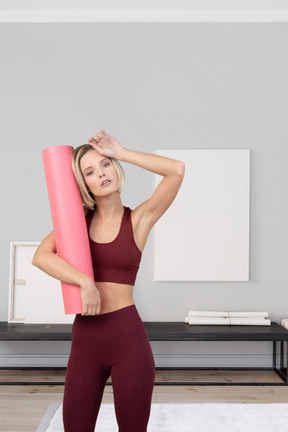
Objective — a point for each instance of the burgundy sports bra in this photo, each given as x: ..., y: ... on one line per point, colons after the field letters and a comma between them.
x: 117, y: 261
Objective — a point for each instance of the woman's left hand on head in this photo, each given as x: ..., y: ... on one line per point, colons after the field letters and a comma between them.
x: 105, y: 144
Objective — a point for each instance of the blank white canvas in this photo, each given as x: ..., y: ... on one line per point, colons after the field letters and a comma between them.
x: 44, y: 301
x: 36, y: 296
x: 21, y: 254
x: 204, y: 234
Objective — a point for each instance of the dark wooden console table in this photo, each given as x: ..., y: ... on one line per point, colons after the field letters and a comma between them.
x: 167, y: 331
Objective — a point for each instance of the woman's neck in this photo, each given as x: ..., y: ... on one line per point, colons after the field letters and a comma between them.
x: 108, y: 211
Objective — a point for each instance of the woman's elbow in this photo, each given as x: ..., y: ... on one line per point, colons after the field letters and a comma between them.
x: 181, y: 169
x: 39, y: 258
x: 36, y: 259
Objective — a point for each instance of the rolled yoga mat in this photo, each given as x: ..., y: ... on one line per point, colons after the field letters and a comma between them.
x: 70, y: 229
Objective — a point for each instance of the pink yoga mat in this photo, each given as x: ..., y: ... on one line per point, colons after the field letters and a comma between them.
x: 70, y: 230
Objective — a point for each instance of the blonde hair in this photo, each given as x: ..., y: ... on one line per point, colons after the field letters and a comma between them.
x: 87, y: 197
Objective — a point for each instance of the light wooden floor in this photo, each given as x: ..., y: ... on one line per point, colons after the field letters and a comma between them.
x: 23, y: 406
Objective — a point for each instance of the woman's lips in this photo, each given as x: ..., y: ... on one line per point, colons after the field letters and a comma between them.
x: 106, y: 184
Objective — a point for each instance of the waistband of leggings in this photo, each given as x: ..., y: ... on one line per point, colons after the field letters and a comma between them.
x: 126, y: 313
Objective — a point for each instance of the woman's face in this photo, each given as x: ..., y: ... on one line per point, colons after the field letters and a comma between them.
x: 97, y: 169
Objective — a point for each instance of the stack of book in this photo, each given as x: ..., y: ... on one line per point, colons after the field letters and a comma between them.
x: 227, y: 318
x: 284, y: 323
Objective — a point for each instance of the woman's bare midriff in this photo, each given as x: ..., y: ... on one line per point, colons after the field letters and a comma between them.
x: 114, y: 296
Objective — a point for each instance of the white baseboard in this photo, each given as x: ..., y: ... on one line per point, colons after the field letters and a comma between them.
x: 161, y: 360
x: 228, y: 360
x: 25, y: 360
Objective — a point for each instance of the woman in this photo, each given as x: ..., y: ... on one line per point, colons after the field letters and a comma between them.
x: 109, y: 337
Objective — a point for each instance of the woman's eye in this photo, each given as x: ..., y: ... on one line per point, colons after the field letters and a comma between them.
x: 90, y: 172
x: 106, y: 164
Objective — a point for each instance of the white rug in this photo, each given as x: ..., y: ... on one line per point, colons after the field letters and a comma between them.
x: 194, y: 417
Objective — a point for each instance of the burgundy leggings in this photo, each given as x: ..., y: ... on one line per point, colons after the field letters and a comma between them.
x: 116, y: 344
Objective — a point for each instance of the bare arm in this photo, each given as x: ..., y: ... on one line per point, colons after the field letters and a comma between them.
x: 45, y: 259
x: 171, y: 169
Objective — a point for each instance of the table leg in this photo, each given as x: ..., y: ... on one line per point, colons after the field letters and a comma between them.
x: 274, y: 354
x: 286, y: 362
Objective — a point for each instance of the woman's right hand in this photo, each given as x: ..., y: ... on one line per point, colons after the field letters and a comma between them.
x: 91, y: 299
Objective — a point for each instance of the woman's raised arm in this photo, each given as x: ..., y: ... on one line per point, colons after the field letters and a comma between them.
x: 173, y: 172
x: 171, y: 169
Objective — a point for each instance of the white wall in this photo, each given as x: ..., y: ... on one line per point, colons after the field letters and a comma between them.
x: 152, y: 86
